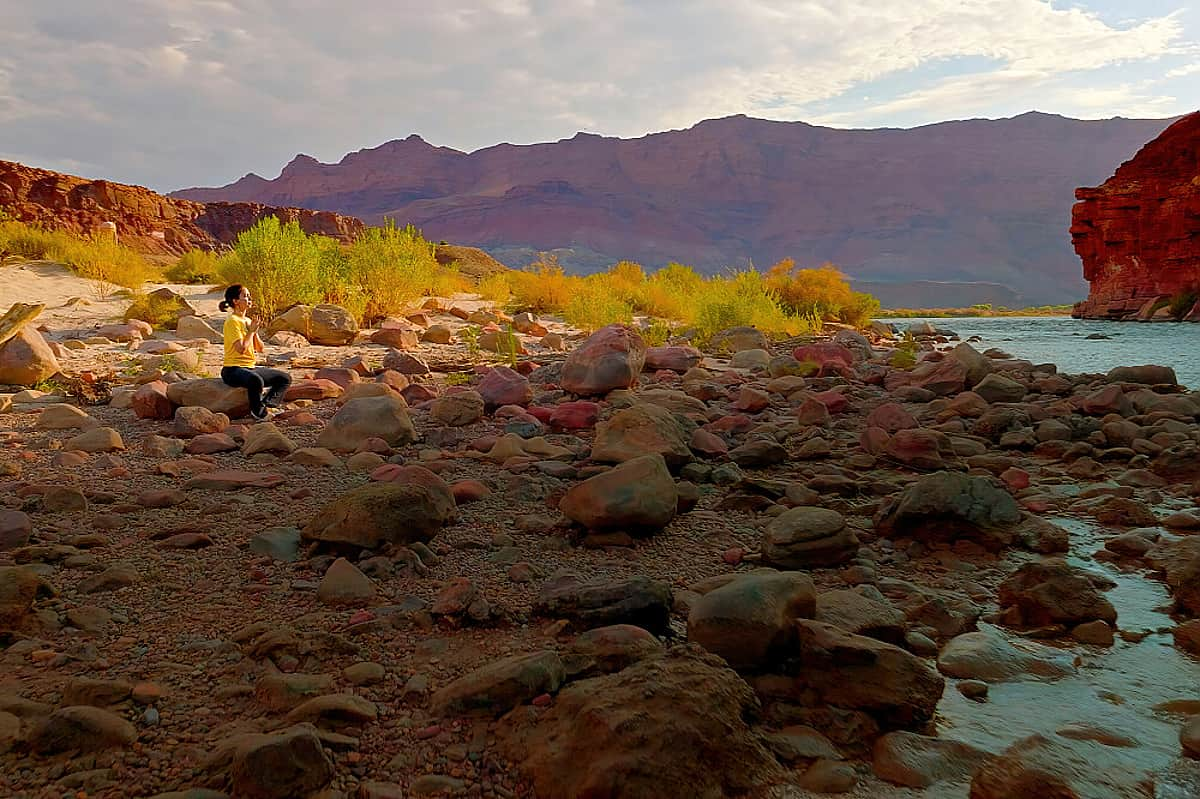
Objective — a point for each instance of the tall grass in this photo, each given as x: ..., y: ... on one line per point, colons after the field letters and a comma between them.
x: 99, y: 257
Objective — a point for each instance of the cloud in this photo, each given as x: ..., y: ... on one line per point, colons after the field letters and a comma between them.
x: 182, y: 92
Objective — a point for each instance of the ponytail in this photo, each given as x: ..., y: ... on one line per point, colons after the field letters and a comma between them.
x: 231, y: 295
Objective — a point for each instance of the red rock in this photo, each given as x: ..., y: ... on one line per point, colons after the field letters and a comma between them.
x: 813, y: 412
x: 1016, y: 479
x: 874, y: 440
x: 751, y: 400
x: 1136, y: 233
x: 316, y: 390
x: 150, y: 401
x: 674, y: 359
x: 62, y: 201
x: 579, y: 415
x: 733, y: 423
x: 835, y: 401
x: 503, y: 386
x: 416, y: 393
x: 891, y: 417
x: 466, y: 491
x: 831, y: 358
x: 707, y: 443
x: 233, y: 479
x: 210, y: 443
x: 336, y: 374
x: 397, y: 338
x: 915, y: 447
x: 610, y: 358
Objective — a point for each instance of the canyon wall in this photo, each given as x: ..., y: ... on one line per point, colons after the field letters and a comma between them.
x: 146, y: 221
x: 1138, y: 233
x: 968, y: 202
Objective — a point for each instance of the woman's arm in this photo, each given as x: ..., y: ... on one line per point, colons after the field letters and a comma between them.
x: 250, y: 340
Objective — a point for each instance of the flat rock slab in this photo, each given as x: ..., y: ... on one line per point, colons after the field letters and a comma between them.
x: 233, y: 479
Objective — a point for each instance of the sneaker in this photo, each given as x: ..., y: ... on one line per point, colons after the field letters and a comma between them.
x: 261, y: 416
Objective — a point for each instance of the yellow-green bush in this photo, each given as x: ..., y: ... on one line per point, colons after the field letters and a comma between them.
x: 543, y: 287
x: 194, y: 267
x: 594, y: 304
x: 280, y: 264
x: 392, y: 267
x: 153, y: 309
x: 383, y: 272
x: 496, y: 287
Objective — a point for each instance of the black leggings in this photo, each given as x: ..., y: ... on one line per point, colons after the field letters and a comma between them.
x: 254, y: 381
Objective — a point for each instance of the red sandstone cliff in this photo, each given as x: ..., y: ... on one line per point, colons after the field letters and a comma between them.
x: 972, y: 202
x: 1139, y: 232
x: 146, y: 221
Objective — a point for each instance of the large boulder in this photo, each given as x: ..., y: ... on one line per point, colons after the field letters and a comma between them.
x: 26, y: 358
x: 195, y: 327
x: 82, y: 728
x: 150, y: 401
x: 945, y: 506
x: 750, y: 621
x: 378, y: 513
x: 677, y: 724
x: 505, y: 386
x: 673, y: 359
x: 611, y: 358
x: 167, y: 305
x: 985, y: 654
x: 853, y: 672
x: 384, y: 417
x: 999, y: 388
x: 736, y: 339
x: 327, y: 325
x: 500, y: 686
x: 1060, y: 768
x: 808, y: 537
x: 210, y: 393
x: 1148, y: 375
x: 19, y: 587
x: 457, y: 409
x: 637, y: 495
x: 642, y: 430
x: 281, y: 765
x: 1055, y: 592
x: 588, y: 604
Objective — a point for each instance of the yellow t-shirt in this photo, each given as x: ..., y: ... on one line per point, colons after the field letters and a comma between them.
x: 235, y: 330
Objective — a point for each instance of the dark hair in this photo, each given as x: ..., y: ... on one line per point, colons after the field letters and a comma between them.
x: 231, y: 295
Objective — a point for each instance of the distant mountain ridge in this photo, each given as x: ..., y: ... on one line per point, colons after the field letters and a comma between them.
x: 974, y: 202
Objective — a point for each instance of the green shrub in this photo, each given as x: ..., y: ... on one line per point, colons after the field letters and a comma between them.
x: 280, y: 265
x: 392, y: 267
x: 195, y: 267
x: 1183, y: 302
x: 593, y: 305
x: 905, y: 356
x: 154, y: 310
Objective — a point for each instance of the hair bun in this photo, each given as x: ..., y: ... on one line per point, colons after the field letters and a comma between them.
x: 223, y: 306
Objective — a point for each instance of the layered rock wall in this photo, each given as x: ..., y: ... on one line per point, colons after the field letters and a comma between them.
x: 145, y: 220
x: 1138, y: 233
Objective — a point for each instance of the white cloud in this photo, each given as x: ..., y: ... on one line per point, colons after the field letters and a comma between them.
x: 181, y: 92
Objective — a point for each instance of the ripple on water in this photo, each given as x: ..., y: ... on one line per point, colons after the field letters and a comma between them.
x: 1116, y: 688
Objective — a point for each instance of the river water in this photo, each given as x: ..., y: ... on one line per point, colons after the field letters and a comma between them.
x: 1063, y: 341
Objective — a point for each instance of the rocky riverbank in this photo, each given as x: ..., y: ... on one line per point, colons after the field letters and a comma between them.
x: 619, y: 571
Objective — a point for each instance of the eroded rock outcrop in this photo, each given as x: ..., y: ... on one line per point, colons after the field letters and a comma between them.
x: 1136, y: 232
x: 145, y: 220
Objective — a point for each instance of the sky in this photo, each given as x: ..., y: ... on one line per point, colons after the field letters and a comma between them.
x: 177, y: 93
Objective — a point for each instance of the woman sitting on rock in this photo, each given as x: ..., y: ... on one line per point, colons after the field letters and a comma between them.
x: 265, y: 387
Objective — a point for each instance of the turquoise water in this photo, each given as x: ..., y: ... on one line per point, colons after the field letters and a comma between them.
x: 1063, y: 341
